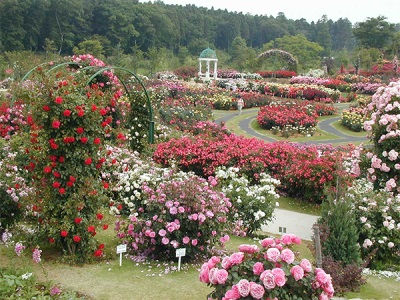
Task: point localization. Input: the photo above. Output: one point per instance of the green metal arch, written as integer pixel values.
(284, 54)
(101, 70)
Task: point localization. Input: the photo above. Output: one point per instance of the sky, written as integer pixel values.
(311, 10)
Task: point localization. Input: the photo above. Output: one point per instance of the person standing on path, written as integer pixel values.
(240, 104)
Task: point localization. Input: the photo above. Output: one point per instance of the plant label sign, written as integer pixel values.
(121, 249)
(179, 253)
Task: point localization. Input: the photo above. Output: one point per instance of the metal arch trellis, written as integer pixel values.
(101, 69)
(284, 54)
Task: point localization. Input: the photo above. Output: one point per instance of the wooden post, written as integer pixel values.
(317, 242)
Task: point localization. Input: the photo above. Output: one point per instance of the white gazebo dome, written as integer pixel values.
(208, 55)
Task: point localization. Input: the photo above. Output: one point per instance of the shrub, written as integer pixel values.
(353, 118)
(268, 272)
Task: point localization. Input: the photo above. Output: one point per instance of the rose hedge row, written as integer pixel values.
(302, 170)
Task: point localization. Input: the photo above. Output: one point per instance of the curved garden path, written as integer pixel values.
(296, 223)
(248, 115)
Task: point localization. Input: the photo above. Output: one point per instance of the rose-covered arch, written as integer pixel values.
(289, 58)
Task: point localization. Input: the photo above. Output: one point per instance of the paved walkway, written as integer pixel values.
(296, 223)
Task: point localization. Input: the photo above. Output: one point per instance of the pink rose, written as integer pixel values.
(297, 272)
(288, 239)
(169, 204)
(244, 287)
(186, 240)
(268, 242)
(237, 258)
(173, 210)
(321, 276)
(306, 265)
(323, 296)
(212, 262)
(204, 273)
(248, 248)
(280, 277)
(194, 242)
(258, 268)
(256, 290)
(213, 275)
(273, 255)
(233, 294)
(222, 276)
(268, 279)
(165, 241)
(226, 263)
(162, 232)
(287, 256)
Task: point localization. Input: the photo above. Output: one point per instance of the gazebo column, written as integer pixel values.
(200, 68)
(208, 70)
(215, 70)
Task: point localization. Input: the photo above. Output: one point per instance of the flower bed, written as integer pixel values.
(277, 74)
(302, 170)
(266, 272)
(353, 118)
(331, 83)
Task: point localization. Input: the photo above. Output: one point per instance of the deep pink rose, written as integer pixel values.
(226, 263)
(222, 276)
(258, 268)
(306, 265)
(321, 276)
(213, 275)
(268, 242)
(244, 287)
(287, 256)
(233, 294)
(297, 272)
(279, 275)
(237, 258)
(273, 255)
(204, 273)
(212, 262)
(268, 279)
(256, 290)
(248, 248)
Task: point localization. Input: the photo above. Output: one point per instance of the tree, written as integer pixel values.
(342, 35)
(93, 47)
(324, 38)
(374, 32)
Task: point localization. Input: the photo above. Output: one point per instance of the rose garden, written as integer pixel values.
(93, 157)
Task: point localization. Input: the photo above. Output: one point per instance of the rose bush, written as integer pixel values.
(266, 272)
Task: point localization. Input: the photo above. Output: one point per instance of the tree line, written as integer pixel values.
(116, 28)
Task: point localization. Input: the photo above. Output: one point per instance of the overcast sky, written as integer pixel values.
(311, 10)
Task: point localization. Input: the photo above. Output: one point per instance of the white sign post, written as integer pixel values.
(179, 253)
(121, 249)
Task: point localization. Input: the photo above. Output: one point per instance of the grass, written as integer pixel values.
(300, 206)
(338, 125)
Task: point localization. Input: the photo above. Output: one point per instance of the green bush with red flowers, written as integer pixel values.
(69, 124)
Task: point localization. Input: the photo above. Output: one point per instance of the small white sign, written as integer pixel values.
(180, 252)
(121, 249)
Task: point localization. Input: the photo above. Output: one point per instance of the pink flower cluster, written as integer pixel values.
(270, 271)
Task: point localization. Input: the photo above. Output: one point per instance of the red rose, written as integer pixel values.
(78, 220)
(52, 157)
(81, 113)
(97, 141)
(103, 111)
(94, 107)
(56, 124)
(99, 216)
(105, 226)
(98, 253)
(106, 185)
(72, 178)
(61, 159)
(56, 184)
(76, 238)
(67, 113)
(80, 130)
(119, 207)
(64, 233)
(59, 100)
(91, 228)
(62, 191)
(101, 246)
(121, 137)
(47, 169)
(70, 183)
(84, 140)
(51, 240)
(104, 124)
(46, 108)
(88, 161)
(56, 174)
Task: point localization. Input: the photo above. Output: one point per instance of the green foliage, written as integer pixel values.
(374, 32)
(342, 237)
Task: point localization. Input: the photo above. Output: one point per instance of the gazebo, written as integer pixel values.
(208, 55)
